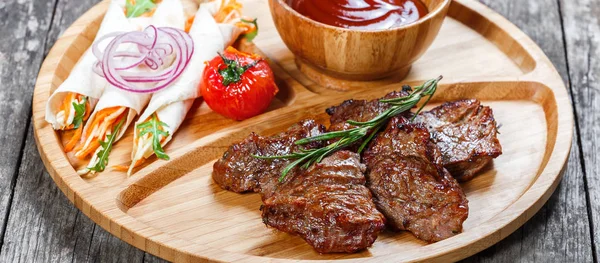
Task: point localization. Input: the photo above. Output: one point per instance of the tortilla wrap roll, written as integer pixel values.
(117, 108)
(168, 107)
(83, 86)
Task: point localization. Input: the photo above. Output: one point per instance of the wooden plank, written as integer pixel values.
(23, 29)
(582, 35)
(560, 231)
(44, 226)
(44, 195)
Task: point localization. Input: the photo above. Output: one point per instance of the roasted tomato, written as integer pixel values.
(238, 85)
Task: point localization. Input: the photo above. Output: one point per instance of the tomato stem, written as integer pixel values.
(234, 71)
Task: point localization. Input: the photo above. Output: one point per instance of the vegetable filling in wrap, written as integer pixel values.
(117, 108)
(72, 102)
(216, 25)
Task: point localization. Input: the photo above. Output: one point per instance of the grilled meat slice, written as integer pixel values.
(409, 184)
(239, 171)
(328, 205)
(360, 110)
(465, 131)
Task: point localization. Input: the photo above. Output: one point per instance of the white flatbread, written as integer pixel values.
(82, 79)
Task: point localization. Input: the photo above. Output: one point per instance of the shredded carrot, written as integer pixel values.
(125, 168)
(102, 121)
(78, 148)
(74, 139)
(150, 13)
(188, 23)
(66, 105)
(88, 110)
(225, 13)
(90, 150)
(100, 116)
(121, 168)
(118, 119)
(247, 27)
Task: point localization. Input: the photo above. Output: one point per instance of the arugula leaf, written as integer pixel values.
(106, 148)
(135, 8)
(155, 128)
(252, 34)
(79, 113)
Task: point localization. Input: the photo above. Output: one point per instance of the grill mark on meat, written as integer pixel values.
(239, 171)
(327, 205)
(466, 133)
(359, 110)
(405, 173)
(409, 184)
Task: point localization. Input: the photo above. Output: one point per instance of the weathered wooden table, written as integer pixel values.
(38, 224)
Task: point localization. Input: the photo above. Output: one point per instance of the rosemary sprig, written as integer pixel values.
(156, 129)
(366, 129)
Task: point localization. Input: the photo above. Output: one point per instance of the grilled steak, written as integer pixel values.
(465, 131)
(360, 110)
(328, 205)
(239, 171)
(409, 184)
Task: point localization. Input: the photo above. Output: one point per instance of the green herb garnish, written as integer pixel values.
(366, 130)
(234, 71)
(79, 113)
(135, 8)
(155, 128)
(250, 36)
(106, 148)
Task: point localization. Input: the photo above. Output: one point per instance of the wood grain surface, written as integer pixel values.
(339, 51)
(581, 26)
(41, 225)
(206, 222)
(560, 232)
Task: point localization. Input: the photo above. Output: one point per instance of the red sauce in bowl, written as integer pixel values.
(361, 14)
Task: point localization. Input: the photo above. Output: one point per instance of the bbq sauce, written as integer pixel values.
(361, 14)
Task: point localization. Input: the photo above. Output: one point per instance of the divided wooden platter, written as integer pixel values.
(172, 209)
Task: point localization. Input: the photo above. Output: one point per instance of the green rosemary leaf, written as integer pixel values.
(289, 156)
(366, 142)
(364, 130)
(290, 166)
(322, 137)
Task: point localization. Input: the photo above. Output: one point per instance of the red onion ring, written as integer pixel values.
(156, 48)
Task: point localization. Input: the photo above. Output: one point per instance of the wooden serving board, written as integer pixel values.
(173, 209)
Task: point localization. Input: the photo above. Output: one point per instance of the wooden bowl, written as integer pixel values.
(351, 54)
